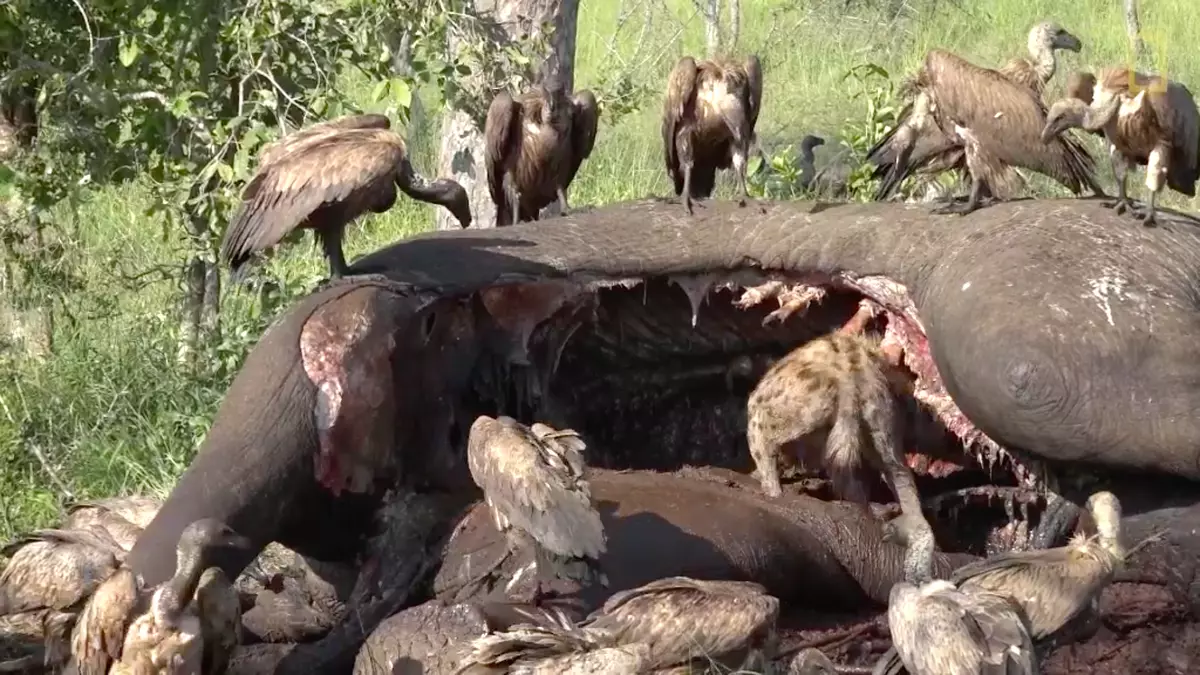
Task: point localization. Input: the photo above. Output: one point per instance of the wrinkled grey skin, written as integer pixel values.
(709, 524)
(1031, 307)
(429, 639)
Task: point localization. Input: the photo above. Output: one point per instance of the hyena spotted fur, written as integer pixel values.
(816, 405)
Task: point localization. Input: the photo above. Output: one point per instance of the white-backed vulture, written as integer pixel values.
(709, 116)
(1053, 586)
(535, 144)
(110, 631)
(1148, 121)
(934, 151)
(672, 625)
(938, 629)
(535, 483)
(322, 180)
(123, 518)
(998, 124)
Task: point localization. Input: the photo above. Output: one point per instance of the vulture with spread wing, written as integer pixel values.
(534, 480)
(1147, 120)
(322, 178)
(709, 116)
(535, 144)
(934, 151)
(997, 123)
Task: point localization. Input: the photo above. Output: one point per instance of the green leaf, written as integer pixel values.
(380, 91)
(128, 50)
(402, 93)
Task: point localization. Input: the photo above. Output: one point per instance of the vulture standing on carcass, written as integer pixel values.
(998, 124)
(932, 150)
(535, 144)
(1147, 121)
(193, 618)
(322, 178)
(938, 629)
(1054, 585)
(535, 483)
(677, 625)
(709, 116)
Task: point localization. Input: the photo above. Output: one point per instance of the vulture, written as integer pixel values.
(534, 480)
(322, 178)
(709, 116)
(996, 122)
(675, 625)
(193, 618)
(534, 145)
(1147, 121)
(938, 629)
(933, 150)
(1054, 585)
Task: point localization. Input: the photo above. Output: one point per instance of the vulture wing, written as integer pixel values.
(536, 486)
(681, 95)
(1176, 110)
(585, 120)
(933, 152)
(328, 170)
(682, 616)
(1011, 561)
(1000, 630)
(502, 138)
(754, 80)
(1020, 71)
(1004, 117)
(273, 151)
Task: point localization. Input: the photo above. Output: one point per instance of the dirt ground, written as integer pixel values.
(1144, 631)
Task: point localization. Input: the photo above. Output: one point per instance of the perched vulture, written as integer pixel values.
(938, 629)
(535, 144)
(996, 122)
(935, 151)
(1147, 121)
(534, 480)
(322, 178)
(709, 115)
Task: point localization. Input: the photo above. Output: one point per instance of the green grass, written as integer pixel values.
(112, 412)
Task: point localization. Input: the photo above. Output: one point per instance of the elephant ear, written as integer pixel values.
(347, 347)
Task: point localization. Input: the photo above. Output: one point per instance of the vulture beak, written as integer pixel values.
(1065, 40)
(1050, 131)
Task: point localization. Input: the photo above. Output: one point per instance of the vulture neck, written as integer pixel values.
(918, 558)
(1095, 119)
(170, 600)
(1044, 60)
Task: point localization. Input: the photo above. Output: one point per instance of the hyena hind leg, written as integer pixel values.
(771, 427)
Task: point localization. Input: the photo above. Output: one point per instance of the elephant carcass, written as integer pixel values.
(706, 524)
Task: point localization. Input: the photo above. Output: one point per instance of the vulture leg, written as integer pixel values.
(330, 238)
(972, 203)
(1121, 171)
(683, 145)
(1156, 173)
(562, 201)
(508, 213)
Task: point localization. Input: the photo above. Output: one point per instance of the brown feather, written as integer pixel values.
(536, 148)
(708, 107)
(100, 630)
(272, 152)
(56, 569)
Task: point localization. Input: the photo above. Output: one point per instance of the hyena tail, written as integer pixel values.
(843, 448)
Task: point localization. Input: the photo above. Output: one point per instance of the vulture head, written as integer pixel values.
(1073, 113)
(1050, 35)
(1105, 510)
(809, 142)
(1081, 85)
(554, 96)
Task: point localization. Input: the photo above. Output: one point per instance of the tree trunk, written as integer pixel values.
(735, 24)
(712, 25)
(1133, 27)
(461, 155)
